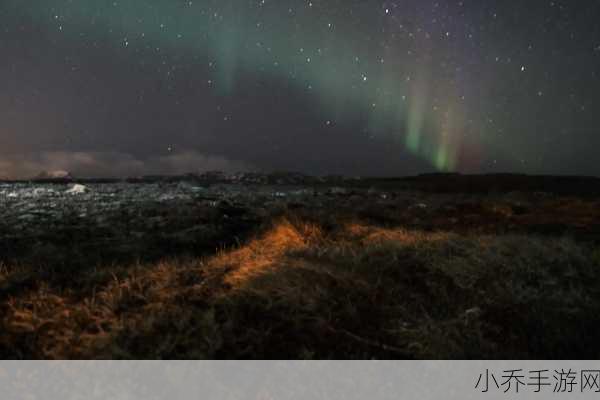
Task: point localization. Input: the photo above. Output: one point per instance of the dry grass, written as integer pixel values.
(261, 255)
(302, 291)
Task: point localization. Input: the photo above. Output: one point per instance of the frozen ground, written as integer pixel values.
(124, 217)
(361, 270)
(123, 213)
(145, 220)
(151, 220)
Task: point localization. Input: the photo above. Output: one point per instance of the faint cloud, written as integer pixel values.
(112, 164)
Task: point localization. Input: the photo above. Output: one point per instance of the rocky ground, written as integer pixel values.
(116, 220)
(146, 220)
(72, 240)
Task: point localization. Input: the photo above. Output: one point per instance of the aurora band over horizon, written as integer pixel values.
(391, 77)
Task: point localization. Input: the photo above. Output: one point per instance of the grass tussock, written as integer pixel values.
(302, 290)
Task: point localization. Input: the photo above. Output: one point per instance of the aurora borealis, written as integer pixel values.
(352, 87)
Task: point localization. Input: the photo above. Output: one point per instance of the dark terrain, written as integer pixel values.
(290, 266)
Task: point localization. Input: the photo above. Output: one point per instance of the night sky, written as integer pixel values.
(354, 87)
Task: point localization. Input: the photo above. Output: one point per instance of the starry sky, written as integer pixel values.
(354, 87)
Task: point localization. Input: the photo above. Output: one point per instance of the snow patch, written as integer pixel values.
(77, 189)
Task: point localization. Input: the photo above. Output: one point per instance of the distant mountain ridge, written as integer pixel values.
(432, 182)
(55, 175)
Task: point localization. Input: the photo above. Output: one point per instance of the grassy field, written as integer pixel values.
(320, 285)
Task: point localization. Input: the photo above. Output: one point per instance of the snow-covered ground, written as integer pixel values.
(26, 207)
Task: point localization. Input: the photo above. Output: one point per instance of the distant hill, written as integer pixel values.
(492, 183)
(432, 182)
(59, 175)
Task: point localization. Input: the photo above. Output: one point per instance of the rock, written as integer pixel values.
(475, 311)
(418, 207)
(373, 191)
(301, 192)
(77, 189)
(338, 190)
(472, 314)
